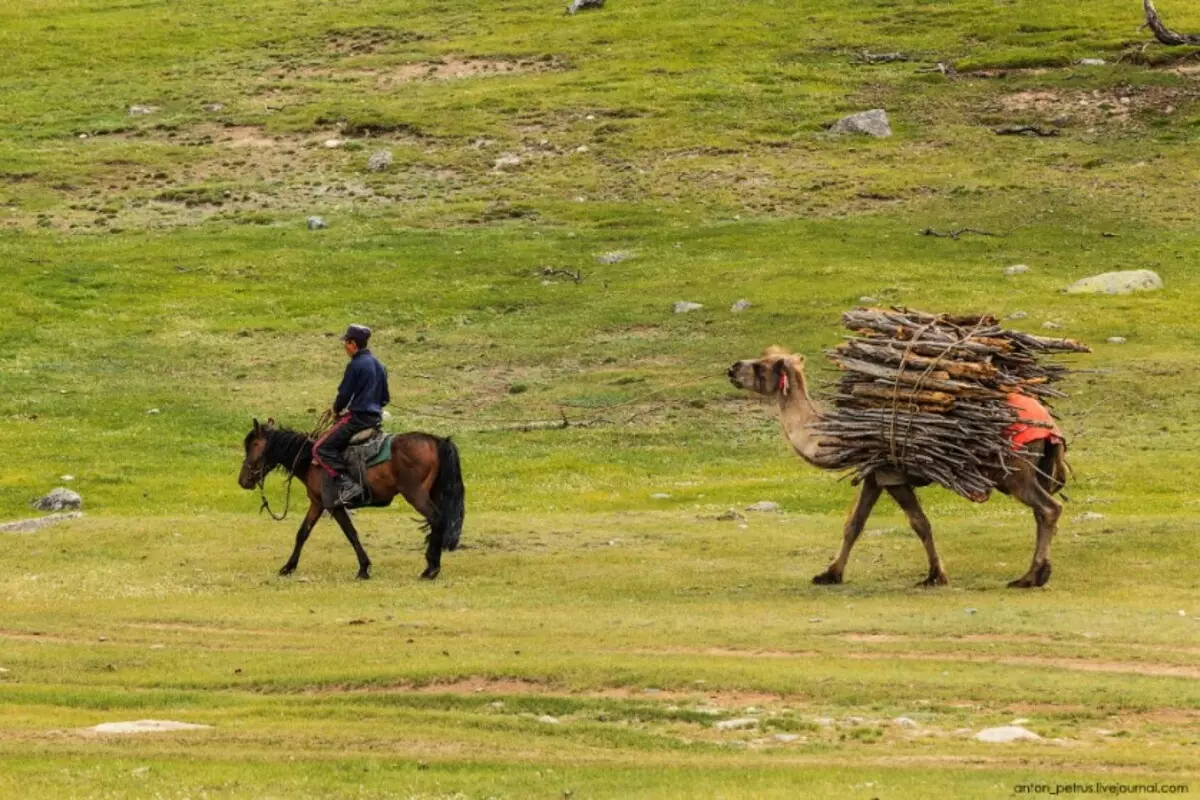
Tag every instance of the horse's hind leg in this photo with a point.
(907, 498)
(310, 519)
(419, 498)
(1046, 510)
(364, 563)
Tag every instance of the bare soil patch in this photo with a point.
(1096, 107)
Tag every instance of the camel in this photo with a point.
(1032, 479)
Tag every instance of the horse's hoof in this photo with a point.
(1043, 575)
(1021, 583)
(827, 578)
(363, 575)
(430, 573)
(286, 570)
(934, 579)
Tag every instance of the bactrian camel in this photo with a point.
(1033, 479)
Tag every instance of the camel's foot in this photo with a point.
(287, 569)
(827, 578)
(936, 577)
(430, 573)
(1037, 576)
(364, 573)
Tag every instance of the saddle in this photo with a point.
(367, 448)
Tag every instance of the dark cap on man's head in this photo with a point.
(357, 333)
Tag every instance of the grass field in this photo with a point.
(600, 623)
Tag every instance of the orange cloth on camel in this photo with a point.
(1036, 422)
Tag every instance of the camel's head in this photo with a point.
(769, 374)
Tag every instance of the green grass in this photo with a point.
(162, 262)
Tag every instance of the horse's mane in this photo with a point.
(289, 449)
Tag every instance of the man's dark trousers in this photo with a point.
(330, 448)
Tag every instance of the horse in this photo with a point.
(423, 468)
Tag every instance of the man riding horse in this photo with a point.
(358, 407)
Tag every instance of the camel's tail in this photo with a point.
(1053, 467)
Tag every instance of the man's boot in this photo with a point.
(347, 490)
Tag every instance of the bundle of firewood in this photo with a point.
(926, 395)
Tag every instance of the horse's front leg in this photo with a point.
(310, 519)
(364, 563)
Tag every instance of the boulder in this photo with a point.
(872, 123)
(740, 305)
(380, 160)
(1016, 269)
(147, 726)
(1126, 282)
(59, 500)
(316, 224)
(1007, 733)
(584, 5)
(683, 307)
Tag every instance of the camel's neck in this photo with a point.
(796, 412)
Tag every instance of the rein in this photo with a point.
(322, 423)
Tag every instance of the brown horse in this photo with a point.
(1032, 477)
(423, 468)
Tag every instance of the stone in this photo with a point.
(1007, 733)
(1019, 315)
(387, 415)
(905, 722)
(316, 224)
(787, 737)
(31, 525)
(763, 505)
(867, 300)
(1090, 516)
(380, 160)
(507, 160)
(548, 720)
(147, 726)
(153, 412)
(213, 108)
(140, 772)
(730, 516)
(741, 723)
(1092, 62)
(584, 5)
(972, 611)
(615, 257)
(333, 144)
(684, 307)
(1116, 340)
(872, 123)
(496, 704)
(1126, 282)
(66, 478)
(583, 148)
(59, 499)
(739, 306)
(824, 722)
(1016, 269)
(660, 496)
(142, 111)
(1050, 325)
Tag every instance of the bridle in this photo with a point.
(260, 471)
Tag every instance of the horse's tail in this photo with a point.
(450, 496)
(1053, 467)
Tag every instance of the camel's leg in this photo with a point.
(315, 509)
(854, 526)
(907, 498)
(364, 563)
(1046, 511)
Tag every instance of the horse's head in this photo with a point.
(254, 467)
